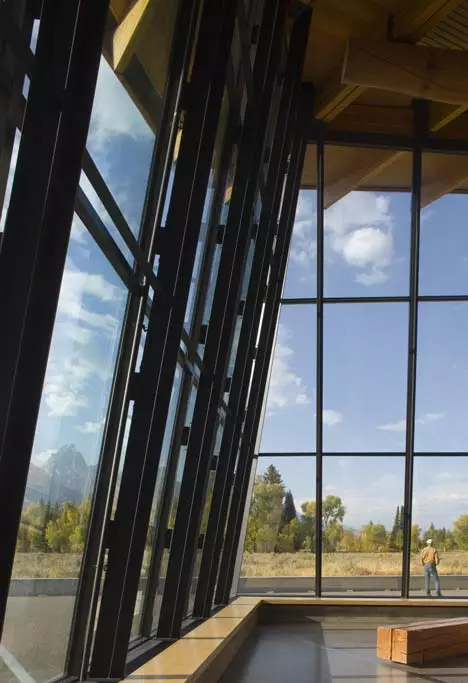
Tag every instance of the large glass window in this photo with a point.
(362, 524)
(364, 377)
(279, 550)
(65, 458)
(290, 413)
(441, 377)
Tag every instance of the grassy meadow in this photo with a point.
(67, 565)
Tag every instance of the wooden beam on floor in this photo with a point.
(414, 70)
(414, 21)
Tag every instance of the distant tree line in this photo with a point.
(275, 525)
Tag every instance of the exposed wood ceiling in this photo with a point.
(441, 25)
(350, 106)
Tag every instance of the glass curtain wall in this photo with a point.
(179, 210)
(381, 495)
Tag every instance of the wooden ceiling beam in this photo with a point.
(409, 25)
(415, 70)
(360, 169)
(452, 172)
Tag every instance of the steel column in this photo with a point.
(247, 340)
(221, 329)
(262, 361)
(420, 113)
(319, 370)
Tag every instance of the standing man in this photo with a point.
(430, 560)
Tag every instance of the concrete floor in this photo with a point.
(332, 650)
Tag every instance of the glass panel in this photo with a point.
(64, 462)
(279, 550)
(127, 110)
(440, 506)
(367, 233)
(444, 238)
(301, 275)
(290, 414)
(441, 375)
(154, 529)
(364, 384)
(362, 525)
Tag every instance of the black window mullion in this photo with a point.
(126, 549)
(262, 362)
(37, 234)
(221, 328)
(247, 341)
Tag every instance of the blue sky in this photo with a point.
(365, 354)
(365, 357)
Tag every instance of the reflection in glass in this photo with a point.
(364, 383)
(362, 524)
(65, 458)
(441, 377)
(440, 512)
(280, 535)
(290, 415)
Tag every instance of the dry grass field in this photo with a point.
(67, 565)
(345, 564)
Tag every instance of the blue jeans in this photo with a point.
(431, 570)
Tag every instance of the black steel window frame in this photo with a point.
(202, 104)
(36, 235)
(246, 348)
(221, 328)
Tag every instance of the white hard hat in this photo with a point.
(429, 541)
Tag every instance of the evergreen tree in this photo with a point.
(272, 476)
(394, 535)
(289, 508)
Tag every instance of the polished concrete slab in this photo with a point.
(329, 650)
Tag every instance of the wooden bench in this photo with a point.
(423, 641)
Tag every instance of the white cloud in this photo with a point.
(358, 228)
(331, 418)
(287, 388)
(114, 113)
(399, 426)
(42, 457)
(75, 286)
(303, 243)
(430, 417)
(90, 427)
